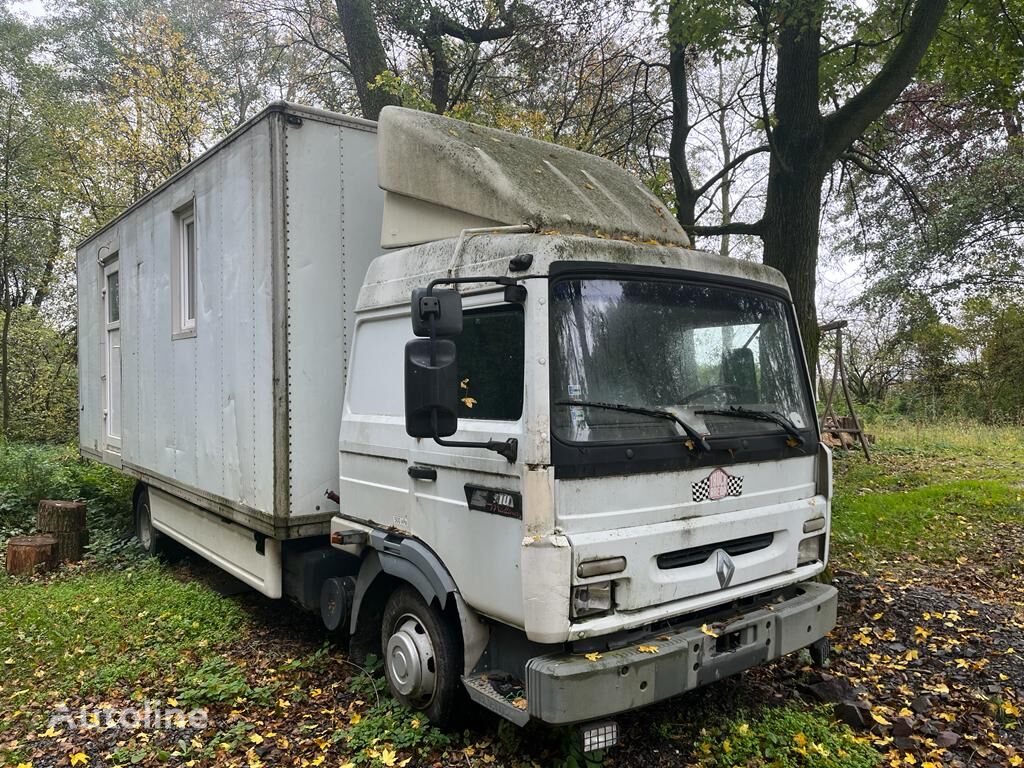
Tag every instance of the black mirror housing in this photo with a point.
(444, 305)
(431, 387)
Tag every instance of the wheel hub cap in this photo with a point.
(410, 659)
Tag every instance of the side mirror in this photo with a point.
(431, 371)
(431, 387)
(443, 305)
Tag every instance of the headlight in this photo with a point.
(811, 550)
(588, 599)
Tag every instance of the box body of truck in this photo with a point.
(233, 410)
(592, 481)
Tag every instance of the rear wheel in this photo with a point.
(148, 536)
(422, 656)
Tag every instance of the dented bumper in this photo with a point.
(568, 688)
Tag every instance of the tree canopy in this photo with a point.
(888, 131)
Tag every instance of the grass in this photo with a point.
(784, 737)
(94, 631)
(936, 492)
(123, 629)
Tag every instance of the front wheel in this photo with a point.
(422, 656)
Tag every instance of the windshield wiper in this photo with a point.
(692, 433)
(740, 412)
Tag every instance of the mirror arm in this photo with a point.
(508, 448)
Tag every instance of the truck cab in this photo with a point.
(579, 462)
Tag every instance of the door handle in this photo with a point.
(422, 473)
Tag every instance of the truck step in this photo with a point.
(499, 692)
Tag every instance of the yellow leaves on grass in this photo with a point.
(78, 758)
(388, 756)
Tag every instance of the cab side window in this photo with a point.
(491, 363)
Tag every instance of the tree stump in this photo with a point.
(65, 520)
(27, 553)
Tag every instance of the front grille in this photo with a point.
(682, 558)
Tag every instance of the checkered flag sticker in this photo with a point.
(717, 485)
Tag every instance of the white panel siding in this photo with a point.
(334, 212)
(198, 410)
(90, 418)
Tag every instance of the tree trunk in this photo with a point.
(793, 202)
(441, 73)
(365, 55)
(791, 246)
(682, 181)
(26, 554)
(65, 521)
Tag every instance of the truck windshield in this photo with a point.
(694, 349)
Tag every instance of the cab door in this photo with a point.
(466, 503)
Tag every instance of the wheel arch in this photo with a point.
(391, 562)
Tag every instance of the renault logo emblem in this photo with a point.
(725, 568)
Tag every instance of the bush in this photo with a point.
(29, 473)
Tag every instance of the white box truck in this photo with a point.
(472, 397)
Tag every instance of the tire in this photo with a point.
(422, 653)
(148, 537)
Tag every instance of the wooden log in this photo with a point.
(26, 554)
(64, 520)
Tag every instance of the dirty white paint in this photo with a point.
(291, 203)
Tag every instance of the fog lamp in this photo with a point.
(811, 550)
(588, 599)
(599, 735)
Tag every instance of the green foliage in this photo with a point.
(936, 492)
(124, 627)
(388, 723)
(980, 53)
(1004, 358)
(784, 737)
(29, 473)
(43, 380)
(219, 680)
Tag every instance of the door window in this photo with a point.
(491, 359)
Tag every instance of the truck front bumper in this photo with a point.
(569, 688)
